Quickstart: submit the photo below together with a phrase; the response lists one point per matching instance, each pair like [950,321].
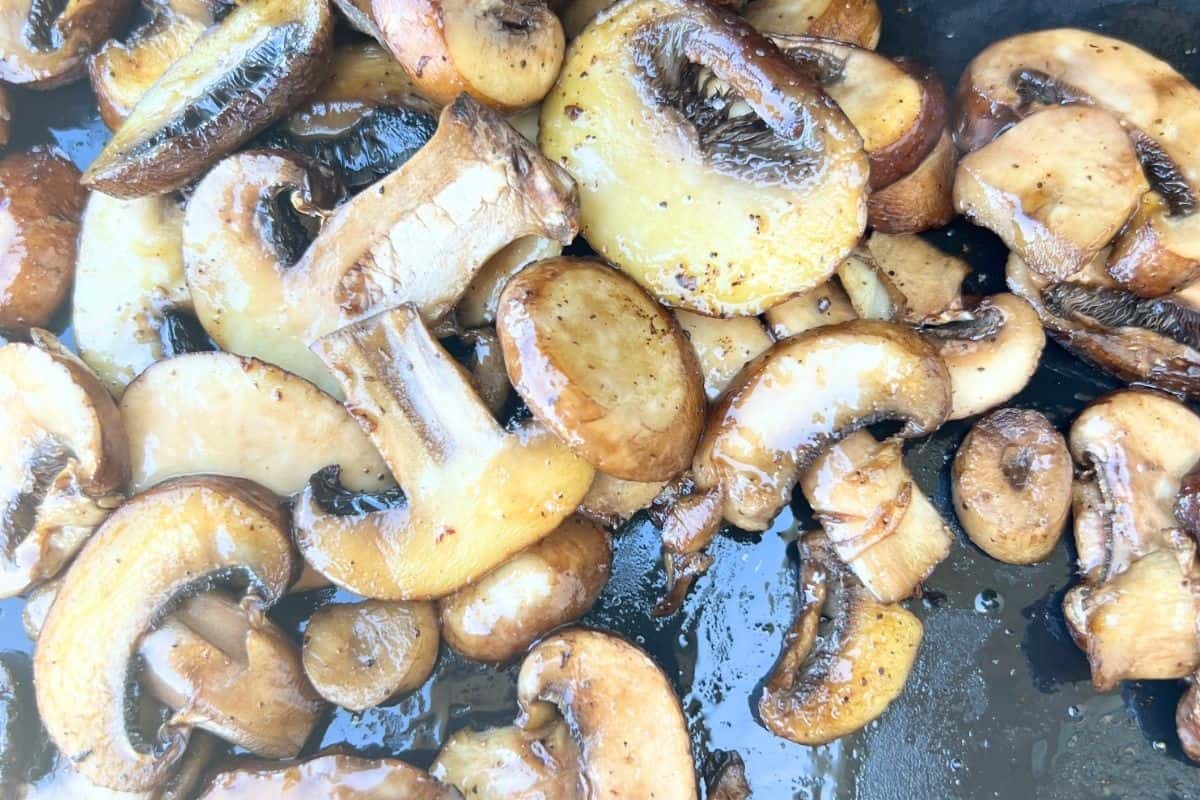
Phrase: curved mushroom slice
[44,45]
[1187,502]
[478,305]
[1187,721]
[231,84]
[1054,203]
[845,659]
[929,280]
[65,781]
[612,502]
[603,366]
[620,709]
[805,393]
[223,414]
[359,655]
[6,104]
[923,199]
[1011,484]
[505,53]
[723,346]
[858,22]
[40,205]
[159,546]
[341,776]
[689,519]
[825,305]
[872,294]
[708,199]
[22,740]
[512,764]
[551,583]
[877,519]
[63,459]
[476,494]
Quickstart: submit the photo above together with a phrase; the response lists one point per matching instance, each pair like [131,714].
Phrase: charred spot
[1117,308]
[517,16]
[41,31]
[182,333]
[334,498]
[284,226]
[1036,87]
[983,324]
[1164,176]
[46,461]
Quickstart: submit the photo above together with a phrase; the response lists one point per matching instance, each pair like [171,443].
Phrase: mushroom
[872,294]
[728,780]
[689,519]
[620,710]
[613,502]
[6,104]
[478,305]
[929,280]
[548,584]
[159,547]
[1054,203]
[484,361]
[40,206]
[875,516]
[1187,721]
[22,740]
[231,84]
[825,305]
[707,199]
[65,781]
[223,414]
[511,764]
[417,236]
[1187,502]
[505,53]
[476,493]
[603,366]
[341,776]
[922,199]
[845,659]
[855,21]
[63,459]
[723,346]
[1011,484]
[359,655]
[46,45]
[802,395]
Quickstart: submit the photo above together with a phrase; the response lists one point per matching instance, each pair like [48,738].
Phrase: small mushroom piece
[63,459]
[921,200]
[484,360]
[22,740]
[872,294]
[876,517]
[723,346]
[827,304]
[478,305]
[46,45]
[40,206]
[858,22]
[551,583]
[805,393]
[620,709]
[845,659]
[476,493]
[344,777]
[359,655]
[158,547]
[732,153]
[1011,484]
[233,83]
[63,780]
[1187,721]
[689,519]
[728,780]
[601,364]
[222,414]
[613,502]
[512,764]
[929,280]
[6,104]
[1054,204]
[1187,502]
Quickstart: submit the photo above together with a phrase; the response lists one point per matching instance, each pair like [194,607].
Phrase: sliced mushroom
[723,346]
[342,776]
[1187,721]
[804,394]
[921,200]
[855,21]
[708,198]
[40,205]
[479,303]
[929,280]
[1054,203]
[845,659]
[63,459]
[65,781]
[1011,485]
[551,583]
[22,740]
[359,655]
[613,502]
[825,305]
[620,709]
[160,546]
[877,519]
[223,414]
[603,366]
[872,294]
[689,519]
[261,59]
[417,236]
[512,764]
[728,780]
[46,45]
[6,104]
[476,494]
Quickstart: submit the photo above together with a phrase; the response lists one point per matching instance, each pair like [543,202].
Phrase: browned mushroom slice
[872,294]
[554,582]
[5,115]
[484,359]
[1187,721]
[728,782]
[854,21]
[612,501]
[1054,203]
[732,154]
[1011,484]
[64,780]
[511,764]
[922,199]
[1187,502]
[723,346]
[231,84]
[825,305]
[40,206]
[481,299]
[845,659]
[929,280]
[342,776]
[878,520]
[689,519]
[44,45]
[765,431]
[603,366]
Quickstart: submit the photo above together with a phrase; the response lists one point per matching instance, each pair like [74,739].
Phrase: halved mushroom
[417,236]
[723,346]
[1011,484]
[804,394]
[157,548]
[876,517]
[63,459]
[1054,203]
[620,710]
[709,198]
[45,45]
[22,740]
[613,502]
[261,59]
[825,305]
[476,494]
[505,53]
[551,583]
[855,21]
[479,303]
[359,655]
[223,414]
[342,776]
[512,764]
[923,199]
[40,205]
[845,659]
[929,280]
[601,364]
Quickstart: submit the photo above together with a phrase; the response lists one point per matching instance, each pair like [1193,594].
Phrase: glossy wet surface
[999,704]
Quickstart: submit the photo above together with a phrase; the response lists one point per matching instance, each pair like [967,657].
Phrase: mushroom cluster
[327,342]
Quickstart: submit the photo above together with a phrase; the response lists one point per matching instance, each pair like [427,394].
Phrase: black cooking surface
[999,704]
